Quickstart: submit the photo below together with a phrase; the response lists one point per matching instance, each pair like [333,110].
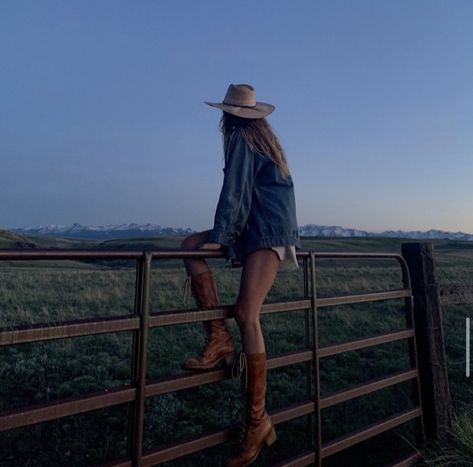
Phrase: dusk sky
[102,114]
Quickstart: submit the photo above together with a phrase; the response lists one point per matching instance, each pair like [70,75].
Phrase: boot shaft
[219,343]
[205,294]
[259,427]
[204,290]
[256,376]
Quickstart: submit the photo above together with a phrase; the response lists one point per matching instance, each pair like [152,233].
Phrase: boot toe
[191,363]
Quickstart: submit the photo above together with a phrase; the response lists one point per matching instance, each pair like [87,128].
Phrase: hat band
[237,105]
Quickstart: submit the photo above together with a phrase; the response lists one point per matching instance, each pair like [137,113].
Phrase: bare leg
[258,275]
[192,242]
[259,272]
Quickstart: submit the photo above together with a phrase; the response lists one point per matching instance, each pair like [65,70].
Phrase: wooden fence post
[435,392]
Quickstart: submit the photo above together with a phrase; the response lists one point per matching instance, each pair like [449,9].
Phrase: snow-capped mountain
[314,230]
[106,232]
[102,232]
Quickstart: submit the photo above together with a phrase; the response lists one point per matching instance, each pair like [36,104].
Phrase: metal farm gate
[145,319]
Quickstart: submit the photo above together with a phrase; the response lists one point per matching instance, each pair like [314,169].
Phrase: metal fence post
[435,393]
[140,357]
[413,359]
[135,352]
[309,345]
[315,342]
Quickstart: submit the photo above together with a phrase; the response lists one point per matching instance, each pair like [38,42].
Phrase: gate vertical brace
[140,364]
[414,363]
[315,341]
[135,352]
[436,402]
[309,345]
[413,358]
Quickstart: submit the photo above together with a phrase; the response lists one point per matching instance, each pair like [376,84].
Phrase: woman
[255,225]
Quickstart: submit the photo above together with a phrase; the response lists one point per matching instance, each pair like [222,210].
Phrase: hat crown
[242,95]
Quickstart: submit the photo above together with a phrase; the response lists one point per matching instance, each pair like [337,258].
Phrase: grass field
[54,291]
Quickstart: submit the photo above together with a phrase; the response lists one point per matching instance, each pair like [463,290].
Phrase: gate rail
[144,319]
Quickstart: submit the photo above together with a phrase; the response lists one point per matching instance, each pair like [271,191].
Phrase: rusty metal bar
[180,449]
[309,345]
[369,431]
[138,419]
[356,344]
[409,319]
[411,459]
[291,412]
[68,253]
[362,298]
[184,316]
[53,410]
[135,350]
[289,358]
[178,254]
[416,385]
[182,254]
[118,463]
[47,254]
[354,254]
[301,460]
[308,458]
[171,317]
[76,328]
[47,411]
[185,381]
[177,450]
[368,387]
[190,380]
[315,342]
[86,327]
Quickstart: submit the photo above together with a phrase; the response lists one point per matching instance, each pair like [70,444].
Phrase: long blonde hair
[259,136]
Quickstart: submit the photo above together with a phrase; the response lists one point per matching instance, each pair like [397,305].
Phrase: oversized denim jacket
[256,208]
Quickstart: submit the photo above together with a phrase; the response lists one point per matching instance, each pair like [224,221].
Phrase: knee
[246,316]
[191,242]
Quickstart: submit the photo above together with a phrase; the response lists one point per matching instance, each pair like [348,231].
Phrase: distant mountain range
[102,232]
[115,231]
[337,231]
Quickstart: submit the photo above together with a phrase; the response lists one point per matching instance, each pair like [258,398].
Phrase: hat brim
[260,110]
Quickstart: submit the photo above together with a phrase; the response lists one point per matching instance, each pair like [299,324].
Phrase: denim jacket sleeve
[234,202]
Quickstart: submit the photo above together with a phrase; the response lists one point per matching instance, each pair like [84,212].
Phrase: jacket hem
[217,236]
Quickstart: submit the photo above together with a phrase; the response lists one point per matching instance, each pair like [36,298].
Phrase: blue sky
[102,117]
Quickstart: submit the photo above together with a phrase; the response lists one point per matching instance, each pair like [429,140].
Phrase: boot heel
[229,358]
[271,438]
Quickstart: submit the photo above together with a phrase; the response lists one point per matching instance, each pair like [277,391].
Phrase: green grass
[456,450]
[53,291]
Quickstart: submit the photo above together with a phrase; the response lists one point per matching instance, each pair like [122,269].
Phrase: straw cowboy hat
[240,100]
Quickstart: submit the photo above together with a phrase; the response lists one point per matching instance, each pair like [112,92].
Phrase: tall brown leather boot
[219,345]
[259,428]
